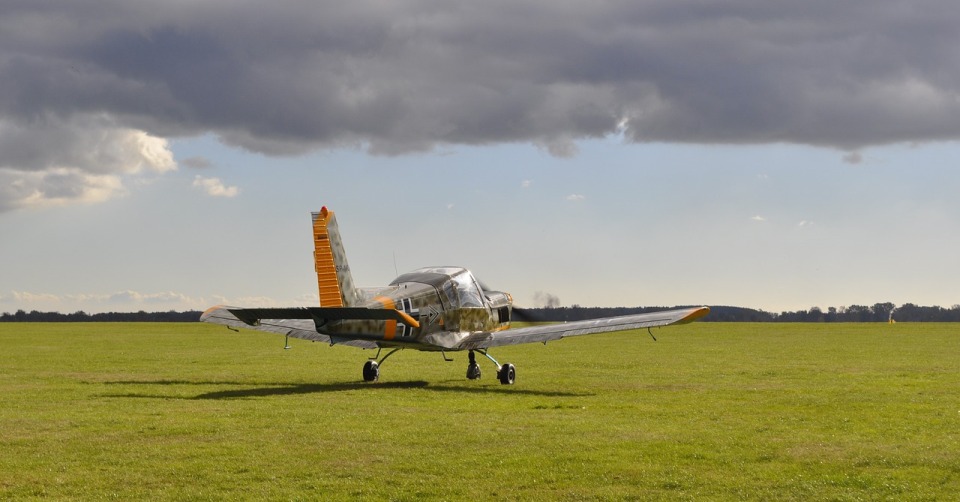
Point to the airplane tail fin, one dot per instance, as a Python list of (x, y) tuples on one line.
[(330, 261)]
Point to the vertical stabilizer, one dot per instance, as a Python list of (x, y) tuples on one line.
[(330, 262)]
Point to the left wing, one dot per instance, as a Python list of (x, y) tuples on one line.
[(552, 332)]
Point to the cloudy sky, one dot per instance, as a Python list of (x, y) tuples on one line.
[(776, 155)]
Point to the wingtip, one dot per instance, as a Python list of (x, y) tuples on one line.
[(697, 313), (211, 310)]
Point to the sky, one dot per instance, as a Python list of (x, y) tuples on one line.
[(773, 155)]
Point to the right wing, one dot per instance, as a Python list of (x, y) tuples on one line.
[(552, 332), (292, 322)]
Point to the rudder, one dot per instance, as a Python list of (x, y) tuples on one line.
[(330, 261)]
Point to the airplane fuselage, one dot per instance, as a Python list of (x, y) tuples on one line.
[(446, 303)]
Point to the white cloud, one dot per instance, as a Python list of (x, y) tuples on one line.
[(55, 187), (214, 187), (132, 301), (304, 300), (758, 218), (92, 143), (258, 301), (526, 183), (307, 299), (220, 299), (28, 297), (82, 159), (575, 197), (137, 297), (124, 301), (805, 223), (145, 151)]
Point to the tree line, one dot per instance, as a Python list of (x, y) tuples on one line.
[(81, 316), (879, 312)]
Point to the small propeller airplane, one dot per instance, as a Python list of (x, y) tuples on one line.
[(439, 309)]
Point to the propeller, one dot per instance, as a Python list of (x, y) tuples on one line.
[(527, 315), (518, 314)]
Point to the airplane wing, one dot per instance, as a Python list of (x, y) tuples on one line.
[(292, 322), (552, 332)]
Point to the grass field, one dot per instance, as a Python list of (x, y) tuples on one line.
[(709, 412)]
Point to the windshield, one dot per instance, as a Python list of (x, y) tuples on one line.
[(467, 290), (457, 284)]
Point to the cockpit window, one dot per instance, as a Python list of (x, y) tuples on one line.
[(459, 288), (467, 290), (450, 293)]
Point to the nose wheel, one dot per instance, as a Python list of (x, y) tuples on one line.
[(473, 369), (506, 373)]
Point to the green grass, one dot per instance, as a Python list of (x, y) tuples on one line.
[(709, 412)]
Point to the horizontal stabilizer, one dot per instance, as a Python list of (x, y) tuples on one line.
[(253, 316)]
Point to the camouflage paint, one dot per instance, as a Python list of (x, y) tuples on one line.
[(422, 302)]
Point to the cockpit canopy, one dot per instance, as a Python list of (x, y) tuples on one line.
[(457, 286)]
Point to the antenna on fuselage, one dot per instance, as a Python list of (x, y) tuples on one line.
[(396, 272)]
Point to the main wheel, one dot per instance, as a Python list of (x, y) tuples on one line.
[(473, 371), (371, 371), (507, 374)]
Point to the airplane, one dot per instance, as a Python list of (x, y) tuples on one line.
[(439, 309)]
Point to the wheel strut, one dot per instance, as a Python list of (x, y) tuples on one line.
[(488, 357), (371, 369), (506, 373)]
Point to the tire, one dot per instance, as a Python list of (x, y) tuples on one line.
[(507, 374), (371, 371), (473, 371)]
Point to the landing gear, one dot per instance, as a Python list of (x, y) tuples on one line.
[(507, 374), (473, 369), (371, 371), (371, 368)]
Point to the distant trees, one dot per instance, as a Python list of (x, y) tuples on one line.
[(81, 316), (879, 312), (909, 312)]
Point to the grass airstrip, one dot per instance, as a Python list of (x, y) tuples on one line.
[(711, 411)]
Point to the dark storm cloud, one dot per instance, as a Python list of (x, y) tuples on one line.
[(288, 77)]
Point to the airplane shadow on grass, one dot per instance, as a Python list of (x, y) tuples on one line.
[(280, 389)]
